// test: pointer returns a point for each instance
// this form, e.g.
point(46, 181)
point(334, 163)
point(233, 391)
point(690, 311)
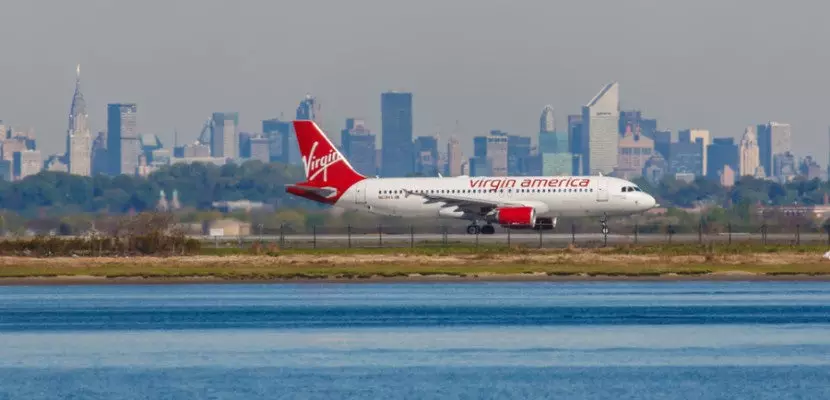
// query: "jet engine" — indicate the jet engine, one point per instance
point(514, 217)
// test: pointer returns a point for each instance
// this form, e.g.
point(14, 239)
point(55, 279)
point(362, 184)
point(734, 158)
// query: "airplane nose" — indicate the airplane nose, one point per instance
point(650, 202)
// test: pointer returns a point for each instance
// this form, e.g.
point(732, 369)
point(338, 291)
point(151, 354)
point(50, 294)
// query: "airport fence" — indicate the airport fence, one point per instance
point(421, 236)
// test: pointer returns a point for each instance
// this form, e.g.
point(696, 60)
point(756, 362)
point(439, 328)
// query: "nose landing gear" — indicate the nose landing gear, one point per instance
point(604, 221)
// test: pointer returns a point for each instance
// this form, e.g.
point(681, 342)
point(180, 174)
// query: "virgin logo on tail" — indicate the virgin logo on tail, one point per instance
point(314, 166)
point(324, 166)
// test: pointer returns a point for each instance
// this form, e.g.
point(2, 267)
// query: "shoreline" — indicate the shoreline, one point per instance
point(416, 267)
point(735, 276)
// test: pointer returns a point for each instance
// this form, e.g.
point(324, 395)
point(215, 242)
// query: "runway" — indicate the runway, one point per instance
point(525, 238)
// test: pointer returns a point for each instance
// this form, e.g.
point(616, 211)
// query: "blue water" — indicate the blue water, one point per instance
point(411, 341)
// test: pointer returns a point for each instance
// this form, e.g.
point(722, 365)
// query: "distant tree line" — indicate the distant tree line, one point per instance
point(198, 186)
point(747, 191)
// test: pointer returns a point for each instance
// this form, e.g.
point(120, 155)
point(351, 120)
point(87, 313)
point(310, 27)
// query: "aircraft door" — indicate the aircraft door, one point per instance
point(602, 189)
point(360, 193)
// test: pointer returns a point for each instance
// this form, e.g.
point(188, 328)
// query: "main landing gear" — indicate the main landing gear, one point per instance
point(604, 221)
point(474, 229)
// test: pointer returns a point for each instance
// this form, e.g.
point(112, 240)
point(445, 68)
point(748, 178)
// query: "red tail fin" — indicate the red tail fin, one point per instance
point(324, 166)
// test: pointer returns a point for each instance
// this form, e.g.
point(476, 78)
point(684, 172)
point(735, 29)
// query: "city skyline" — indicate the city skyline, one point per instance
point(720, 78)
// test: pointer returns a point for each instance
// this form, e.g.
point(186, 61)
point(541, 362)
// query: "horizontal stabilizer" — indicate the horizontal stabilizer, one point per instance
point(319, 191)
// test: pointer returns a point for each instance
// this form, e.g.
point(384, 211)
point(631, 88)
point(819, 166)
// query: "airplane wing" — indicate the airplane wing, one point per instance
point(476, 205)
point(320, 191)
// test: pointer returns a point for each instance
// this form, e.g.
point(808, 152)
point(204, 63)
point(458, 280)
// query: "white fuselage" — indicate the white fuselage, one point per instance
point(553, 197)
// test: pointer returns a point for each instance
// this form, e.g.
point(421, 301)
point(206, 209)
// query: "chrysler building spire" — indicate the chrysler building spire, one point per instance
point(78, 138)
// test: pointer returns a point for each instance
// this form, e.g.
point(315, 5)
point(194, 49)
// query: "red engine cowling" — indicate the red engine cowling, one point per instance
point(515, 217)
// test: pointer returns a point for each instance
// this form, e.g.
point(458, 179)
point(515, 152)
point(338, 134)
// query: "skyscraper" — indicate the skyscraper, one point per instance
point(309, 109)
point(773, 138)
point(693, 135)
point(630, 119)
point(260, 148)
point(551, 141)
point(283, 141)
point(123, 144)
point(100, 158)
point(396, 134)
point(497, 146)
point(455, 158)
point(426, 155)
point(600, 131)
point(518, 153)
point(686, 158)
point(748, 153)
point(575, 142)
point(635, 150)
point(27, 163)
point(78, 138)
point(722, 152)
point(784, 166)
point(359, 146)
point(555, 154)
point(224, 135)
point(547, 122)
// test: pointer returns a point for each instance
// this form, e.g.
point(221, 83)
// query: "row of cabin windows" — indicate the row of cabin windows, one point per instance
point(469, 191)
point(626, 189)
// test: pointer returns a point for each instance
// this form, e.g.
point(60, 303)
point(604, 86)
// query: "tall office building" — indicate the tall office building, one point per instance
point(635, 150)
point(426, 155)
point(629, 120)
point(773, 138)
point(555, 154)
point(27, 163)
point(600, 131)
point(396, 134)
point(224, 135)
point(282, 140)
point(784, 167)
point(78, 138)
point(497, 151)
point(518, 153)
point(694, 135)
point(647, 127)
point(455, 158)
point(551, 141)
point(575, 142)
point(358, 145)
point(686, 158)
point(100, 158)
point(748, 154)
point(722, 152)
point(547, 122)
point(6, 171)
point(309, 109)
point(260, 148)
point(662, 142)
point(123, 144)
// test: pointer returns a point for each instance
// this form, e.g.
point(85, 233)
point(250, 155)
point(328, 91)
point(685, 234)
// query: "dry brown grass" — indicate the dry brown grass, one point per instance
point(408, 265)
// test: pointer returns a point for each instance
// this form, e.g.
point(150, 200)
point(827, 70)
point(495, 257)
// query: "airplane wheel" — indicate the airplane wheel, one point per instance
point(473, 230)
point(488, 229)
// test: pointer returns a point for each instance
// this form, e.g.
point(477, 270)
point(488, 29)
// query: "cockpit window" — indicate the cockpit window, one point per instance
point(637, 189)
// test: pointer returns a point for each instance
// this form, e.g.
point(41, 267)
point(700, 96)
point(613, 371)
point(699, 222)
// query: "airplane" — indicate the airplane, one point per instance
point(534, 202)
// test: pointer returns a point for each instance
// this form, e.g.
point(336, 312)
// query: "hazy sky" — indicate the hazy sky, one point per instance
point(716, 64)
